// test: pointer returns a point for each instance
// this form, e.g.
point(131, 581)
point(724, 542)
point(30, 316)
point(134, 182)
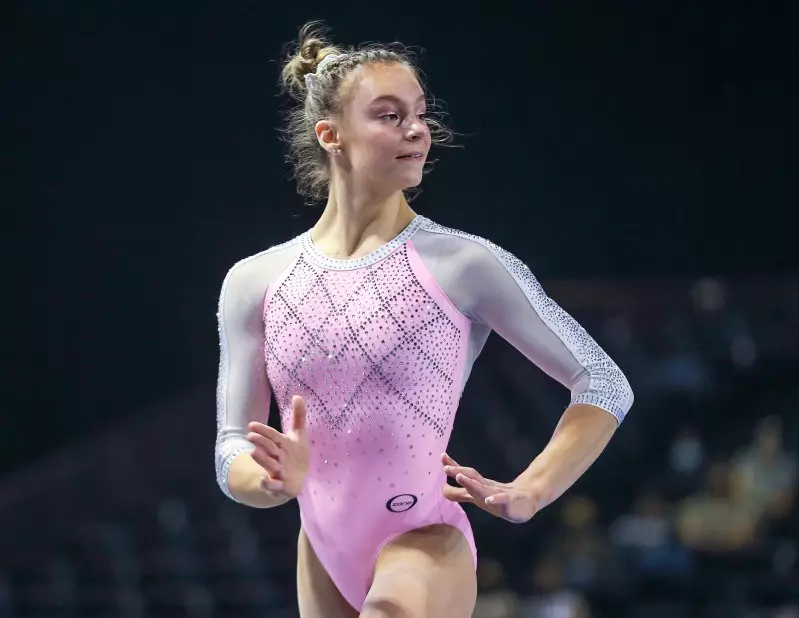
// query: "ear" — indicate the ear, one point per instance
point(327, 135)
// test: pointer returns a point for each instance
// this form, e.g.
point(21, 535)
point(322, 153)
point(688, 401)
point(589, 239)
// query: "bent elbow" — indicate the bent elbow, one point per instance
point(626, 398)
point(225, 451)
point(606, 387)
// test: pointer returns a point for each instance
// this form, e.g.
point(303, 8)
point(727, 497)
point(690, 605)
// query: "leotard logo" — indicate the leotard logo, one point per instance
point(401, 503)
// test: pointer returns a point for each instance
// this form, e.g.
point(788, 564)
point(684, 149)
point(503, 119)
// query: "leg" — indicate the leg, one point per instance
point(426, 573)
point(317, 595)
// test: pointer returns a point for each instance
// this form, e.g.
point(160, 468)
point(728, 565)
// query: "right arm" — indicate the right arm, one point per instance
point(243, 390)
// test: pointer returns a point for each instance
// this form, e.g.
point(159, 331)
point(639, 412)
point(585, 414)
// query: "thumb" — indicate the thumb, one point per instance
point(299, 413)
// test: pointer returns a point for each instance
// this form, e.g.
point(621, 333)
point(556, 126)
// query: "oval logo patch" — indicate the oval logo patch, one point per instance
point(401, 503)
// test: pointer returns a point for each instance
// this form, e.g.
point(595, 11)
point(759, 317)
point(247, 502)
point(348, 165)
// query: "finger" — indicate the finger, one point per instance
point(271, 465)
point(269, 432)
point(456, 494)
point(266, 444)
point(299, 413)
point(271, 485)
point(477, 489)
point(448, 461)
point(498, 499)
point(256, 427)
point(454, 471)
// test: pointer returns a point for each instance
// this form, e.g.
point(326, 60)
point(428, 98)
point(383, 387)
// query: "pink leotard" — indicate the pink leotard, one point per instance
point(381, 347)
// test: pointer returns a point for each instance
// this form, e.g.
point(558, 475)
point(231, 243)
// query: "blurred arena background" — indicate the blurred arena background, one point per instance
point(639, 158)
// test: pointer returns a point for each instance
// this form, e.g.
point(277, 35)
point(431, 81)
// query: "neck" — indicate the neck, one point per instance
point(352, 226)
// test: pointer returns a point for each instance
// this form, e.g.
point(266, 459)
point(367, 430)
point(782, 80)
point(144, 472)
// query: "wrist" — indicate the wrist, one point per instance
point(538, 489)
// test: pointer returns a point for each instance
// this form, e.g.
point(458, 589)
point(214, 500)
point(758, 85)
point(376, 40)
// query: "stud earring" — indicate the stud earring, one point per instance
point(337, 151)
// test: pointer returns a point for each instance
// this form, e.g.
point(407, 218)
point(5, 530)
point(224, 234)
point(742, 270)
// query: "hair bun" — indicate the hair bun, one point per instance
point(310, 49)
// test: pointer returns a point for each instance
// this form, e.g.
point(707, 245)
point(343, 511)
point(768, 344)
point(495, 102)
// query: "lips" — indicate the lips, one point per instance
point(412, 155)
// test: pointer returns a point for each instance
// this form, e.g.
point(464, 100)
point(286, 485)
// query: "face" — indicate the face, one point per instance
point(383, 134)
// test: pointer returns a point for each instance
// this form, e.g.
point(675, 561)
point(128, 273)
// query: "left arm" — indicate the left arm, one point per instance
point(579, 439)
point(509, 299)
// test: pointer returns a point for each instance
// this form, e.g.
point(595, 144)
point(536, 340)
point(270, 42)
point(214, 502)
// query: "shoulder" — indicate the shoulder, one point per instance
point(475, 254)
point(254, 272)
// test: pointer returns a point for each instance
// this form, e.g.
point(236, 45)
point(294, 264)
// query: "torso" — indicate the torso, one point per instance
point(377, 352)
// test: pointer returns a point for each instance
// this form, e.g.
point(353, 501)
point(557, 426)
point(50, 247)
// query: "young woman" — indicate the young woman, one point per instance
point(365, 329)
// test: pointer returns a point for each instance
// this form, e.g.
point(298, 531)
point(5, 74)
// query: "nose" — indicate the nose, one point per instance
point(415, 129)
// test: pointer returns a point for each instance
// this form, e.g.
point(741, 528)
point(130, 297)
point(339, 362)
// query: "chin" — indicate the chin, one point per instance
point(413, 181)
point(399, 183)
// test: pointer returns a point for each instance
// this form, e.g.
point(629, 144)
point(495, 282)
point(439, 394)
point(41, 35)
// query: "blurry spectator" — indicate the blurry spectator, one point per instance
point(494, 599)
point(687, 452)
point(581, 546)
point(686, 459)
point(710, 295)
point(719, 518)
point(549, 597)
point(720, 329)
point(682, 368)
point(767, 474)
point(645, 537)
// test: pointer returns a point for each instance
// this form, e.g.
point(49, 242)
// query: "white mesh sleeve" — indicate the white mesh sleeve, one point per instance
point(243, 391)
point(495, 288)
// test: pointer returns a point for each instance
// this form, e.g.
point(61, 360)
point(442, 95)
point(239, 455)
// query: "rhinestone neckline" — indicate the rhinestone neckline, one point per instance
point(367, 260)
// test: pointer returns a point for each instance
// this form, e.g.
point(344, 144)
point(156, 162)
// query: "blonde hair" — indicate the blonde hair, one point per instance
point(310, 162)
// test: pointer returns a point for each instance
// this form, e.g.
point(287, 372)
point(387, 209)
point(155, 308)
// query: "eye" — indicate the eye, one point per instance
point(422, 116)
point(390, 116)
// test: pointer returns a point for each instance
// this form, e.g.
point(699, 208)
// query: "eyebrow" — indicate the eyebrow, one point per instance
point(394, 99)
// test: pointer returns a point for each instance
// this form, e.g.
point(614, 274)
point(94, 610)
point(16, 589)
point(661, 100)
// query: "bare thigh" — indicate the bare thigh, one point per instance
point(426, 573)
point(317, 595)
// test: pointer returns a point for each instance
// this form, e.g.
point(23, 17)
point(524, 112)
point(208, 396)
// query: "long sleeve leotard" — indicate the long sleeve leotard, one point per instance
point(381, 347)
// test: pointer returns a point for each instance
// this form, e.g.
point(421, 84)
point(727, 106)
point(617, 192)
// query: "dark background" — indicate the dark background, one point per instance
point(624, 140)
point(639, 156)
